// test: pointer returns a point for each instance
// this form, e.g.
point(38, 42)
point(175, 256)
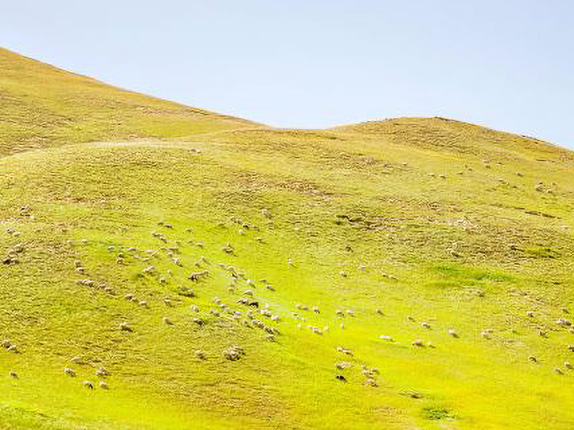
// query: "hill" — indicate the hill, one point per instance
point(402, 274)
point(42, 106)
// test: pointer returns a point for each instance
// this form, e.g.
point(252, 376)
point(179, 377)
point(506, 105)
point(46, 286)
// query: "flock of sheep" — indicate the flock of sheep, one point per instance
point(247, 309)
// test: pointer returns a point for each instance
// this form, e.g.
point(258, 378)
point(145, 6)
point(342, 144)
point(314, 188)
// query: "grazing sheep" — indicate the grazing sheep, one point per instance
point(194, 308)
point(341, 378)
point(88, 384)
point(343, 350)
point(270, 287)
point(343, 326)
point(167, 321)
point(248, 293)
point(485, 334)
point(387, 338)
point(418, 342)
point(271, 338)
point(542, 333)
point(426, 325)
point(14, 349)
point(370, 382)
point(233, 353)
point(316, 310)
point(558, 371)
point(530, 314)
point(343, 365)
point(70, 372)
point(343, 274)
point(13, 374)
point(379, 312)
point(568, 365)
point(340, 313)
point(200, 354)
point(168, 302)
point(143, 304)
point(129, 297)
point(125, 327)
point(410, 318)
point(76, 360)
point(103, 385)
point(350, 312)
point(533, 359)
point(453, 333)
point(102, 373)
point(571, 348)
point(198, 321)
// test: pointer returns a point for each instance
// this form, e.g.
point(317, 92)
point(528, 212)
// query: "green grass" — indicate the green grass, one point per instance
point(467, 252)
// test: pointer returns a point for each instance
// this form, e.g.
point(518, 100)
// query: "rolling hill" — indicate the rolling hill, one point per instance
point(166, 267)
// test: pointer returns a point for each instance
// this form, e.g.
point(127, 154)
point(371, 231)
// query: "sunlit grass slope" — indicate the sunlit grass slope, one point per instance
point(43, 106)
point(451, 241)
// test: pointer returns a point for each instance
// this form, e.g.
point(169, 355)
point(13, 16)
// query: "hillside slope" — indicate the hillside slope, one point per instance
point(42, 106)
point(224, 279)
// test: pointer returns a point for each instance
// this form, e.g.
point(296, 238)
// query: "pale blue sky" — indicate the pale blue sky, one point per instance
point(506, 64)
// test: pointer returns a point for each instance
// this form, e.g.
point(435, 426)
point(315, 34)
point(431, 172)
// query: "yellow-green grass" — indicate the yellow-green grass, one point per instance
point(468, 252)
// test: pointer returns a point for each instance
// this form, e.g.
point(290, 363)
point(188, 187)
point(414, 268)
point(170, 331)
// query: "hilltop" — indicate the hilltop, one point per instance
point(412, 273)
point(42, 106)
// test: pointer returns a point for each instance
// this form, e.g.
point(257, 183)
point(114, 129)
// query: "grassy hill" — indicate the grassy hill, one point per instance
point(42, 106)
point(438, 252)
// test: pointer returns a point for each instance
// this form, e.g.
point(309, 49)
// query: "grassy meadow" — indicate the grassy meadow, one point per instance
point(427, 232)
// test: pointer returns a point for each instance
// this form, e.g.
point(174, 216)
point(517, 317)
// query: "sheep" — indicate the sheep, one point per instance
point(13, 374)
point(168, 302)
point(194, 308)
point(387, 338)
point(418, 342)
point(426, 325)
point(453, 333)
point(125, 327)
point(88, 384)
point(343, 350)
point(485, 334)
point(341, 378)
point(370, 382)
point(248, 293)
point(343, 274)
point(143, 304)
point(260, 239)
point(14, 349)
point(571, 348)
point(542, 333)
point(379, 312)
point(167, 321)
point(250, 282)
point(102, 373)
point(316, 309)
point(200, 354)
point(530, 314)
point(214, 312)
point(532, 359)
point(69, 371)
point(568, 365)
point(271, 338)
point(76, 360)
point(340, 313)
point(343, 365)
point(270, 287)
point(198, 321)
point(103, 385)
point(233, 353)
point(558, 371)
point(410, 318)
point(176, 261)
point(129, 297)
